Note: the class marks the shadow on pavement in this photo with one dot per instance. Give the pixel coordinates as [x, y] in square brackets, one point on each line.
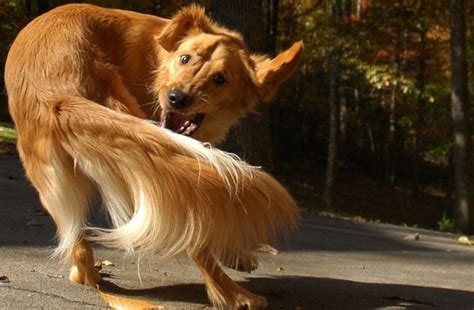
[309, 292]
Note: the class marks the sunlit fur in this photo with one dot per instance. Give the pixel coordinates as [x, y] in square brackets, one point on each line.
[80, 81]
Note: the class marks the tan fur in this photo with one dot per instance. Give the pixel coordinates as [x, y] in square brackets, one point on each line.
[80, 79]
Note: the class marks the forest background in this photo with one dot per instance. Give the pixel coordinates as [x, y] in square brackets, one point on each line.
[365, 128]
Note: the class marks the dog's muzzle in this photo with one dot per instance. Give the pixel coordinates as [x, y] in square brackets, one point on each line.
[179, 100]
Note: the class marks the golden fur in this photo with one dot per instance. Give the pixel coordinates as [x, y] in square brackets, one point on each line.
[80, 81]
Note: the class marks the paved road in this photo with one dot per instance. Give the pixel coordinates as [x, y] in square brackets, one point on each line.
[331, 264]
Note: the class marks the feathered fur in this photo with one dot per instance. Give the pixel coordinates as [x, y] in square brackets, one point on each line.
[80, 81]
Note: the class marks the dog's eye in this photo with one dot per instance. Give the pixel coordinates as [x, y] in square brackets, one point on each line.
[184, 59]
[219, 79]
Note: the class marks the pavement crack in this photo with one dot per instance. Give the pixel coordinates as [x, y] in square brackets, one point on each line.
[53, 296]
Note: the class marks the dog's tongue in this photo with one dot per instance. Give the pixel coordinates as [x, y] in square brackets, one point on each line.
[174, 121]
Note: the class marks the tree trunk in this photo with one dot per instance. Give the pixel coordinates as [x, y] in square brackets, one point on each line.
[43, 6]
[420, 109]
[272, 10]
[28, 8]
[462, 156]
[154, 4]
[250, 140]
[334, 114]
[347, 10]
[345, 95]
[393, 145]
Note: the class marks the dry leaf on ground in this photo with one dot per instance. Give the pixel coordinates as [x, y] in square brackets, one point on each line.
[415, 237]
[465, 240]
[268, 249]
[107, 263]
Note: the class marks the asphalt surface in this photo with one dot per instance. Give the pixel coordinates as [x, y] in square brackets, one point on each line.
[331, 264]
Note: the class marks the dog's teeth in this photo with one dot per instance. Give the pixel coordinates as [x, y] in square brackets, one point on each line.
[186, 123]
[190, 129]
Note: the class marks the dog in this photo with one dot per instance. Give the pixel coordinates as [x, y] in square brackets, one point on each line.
[87, 87]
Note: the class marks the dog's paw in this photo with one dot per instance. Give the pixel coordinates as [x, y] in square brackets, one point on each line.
[90, 278]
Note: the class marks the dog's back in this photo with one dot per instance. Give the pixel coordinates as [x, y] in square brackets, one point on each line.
[79, 50]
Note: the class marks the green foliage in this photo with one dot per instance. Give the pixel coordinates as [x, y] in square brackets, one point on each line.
[380, 58]
[446, 224]
[7, 133]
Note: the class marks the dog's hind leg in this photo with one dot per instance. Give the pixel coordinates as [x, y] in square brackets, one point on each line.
[221, 289]
[66, 193]
[84, 272]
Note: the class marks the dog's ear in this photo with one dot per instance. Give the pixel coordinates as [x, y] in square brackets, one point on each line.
[191, 17]
[271, 73]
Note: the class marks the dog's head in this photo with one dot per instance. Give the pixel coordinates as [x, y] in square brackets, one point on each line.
[207, 80]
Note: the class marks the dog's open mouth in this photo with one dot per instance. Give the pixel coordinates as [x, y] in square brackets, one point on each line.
[185, 124]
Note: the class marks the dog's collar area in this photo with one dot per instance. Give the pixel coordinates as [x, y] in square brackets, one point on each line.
[182, 123]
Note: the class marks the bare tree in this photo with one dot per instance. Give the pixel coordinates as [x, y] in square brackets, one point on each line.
[43, 6]
[334, 115]
[420, 108]
[462, 153]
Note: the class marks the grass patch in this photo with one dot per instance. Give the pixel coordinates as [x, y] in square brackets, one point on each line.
[7, 139]
[7, 133]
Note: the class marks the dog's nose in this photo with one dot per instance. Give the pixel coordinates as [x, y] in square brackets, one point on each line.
[179, 100]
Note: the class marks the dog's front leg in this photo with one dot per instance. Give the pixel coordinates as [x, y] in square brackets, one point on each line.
[221, 289]
[84, 272]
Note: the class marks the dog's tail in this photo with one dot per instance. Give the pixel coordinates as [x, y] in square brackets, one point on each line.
[167, 193]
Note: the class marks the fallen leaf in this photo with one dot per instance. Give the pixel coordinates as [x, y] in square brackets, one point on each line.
[107, 263]
[119, 302]
[268, 249]
[4, 279]
[358, 219]
[465, 240]
[415, 237]
[34, 223]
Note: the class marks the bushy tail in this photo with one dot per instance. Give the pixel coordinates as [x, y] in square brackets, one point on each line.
[167, 193]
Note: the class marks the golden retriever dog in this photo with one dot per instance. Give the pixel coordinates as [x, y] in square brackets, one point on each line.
[83, 83]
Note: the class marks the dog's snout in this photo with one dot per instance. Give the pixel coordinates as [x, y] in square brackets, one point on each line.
[179, 100]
